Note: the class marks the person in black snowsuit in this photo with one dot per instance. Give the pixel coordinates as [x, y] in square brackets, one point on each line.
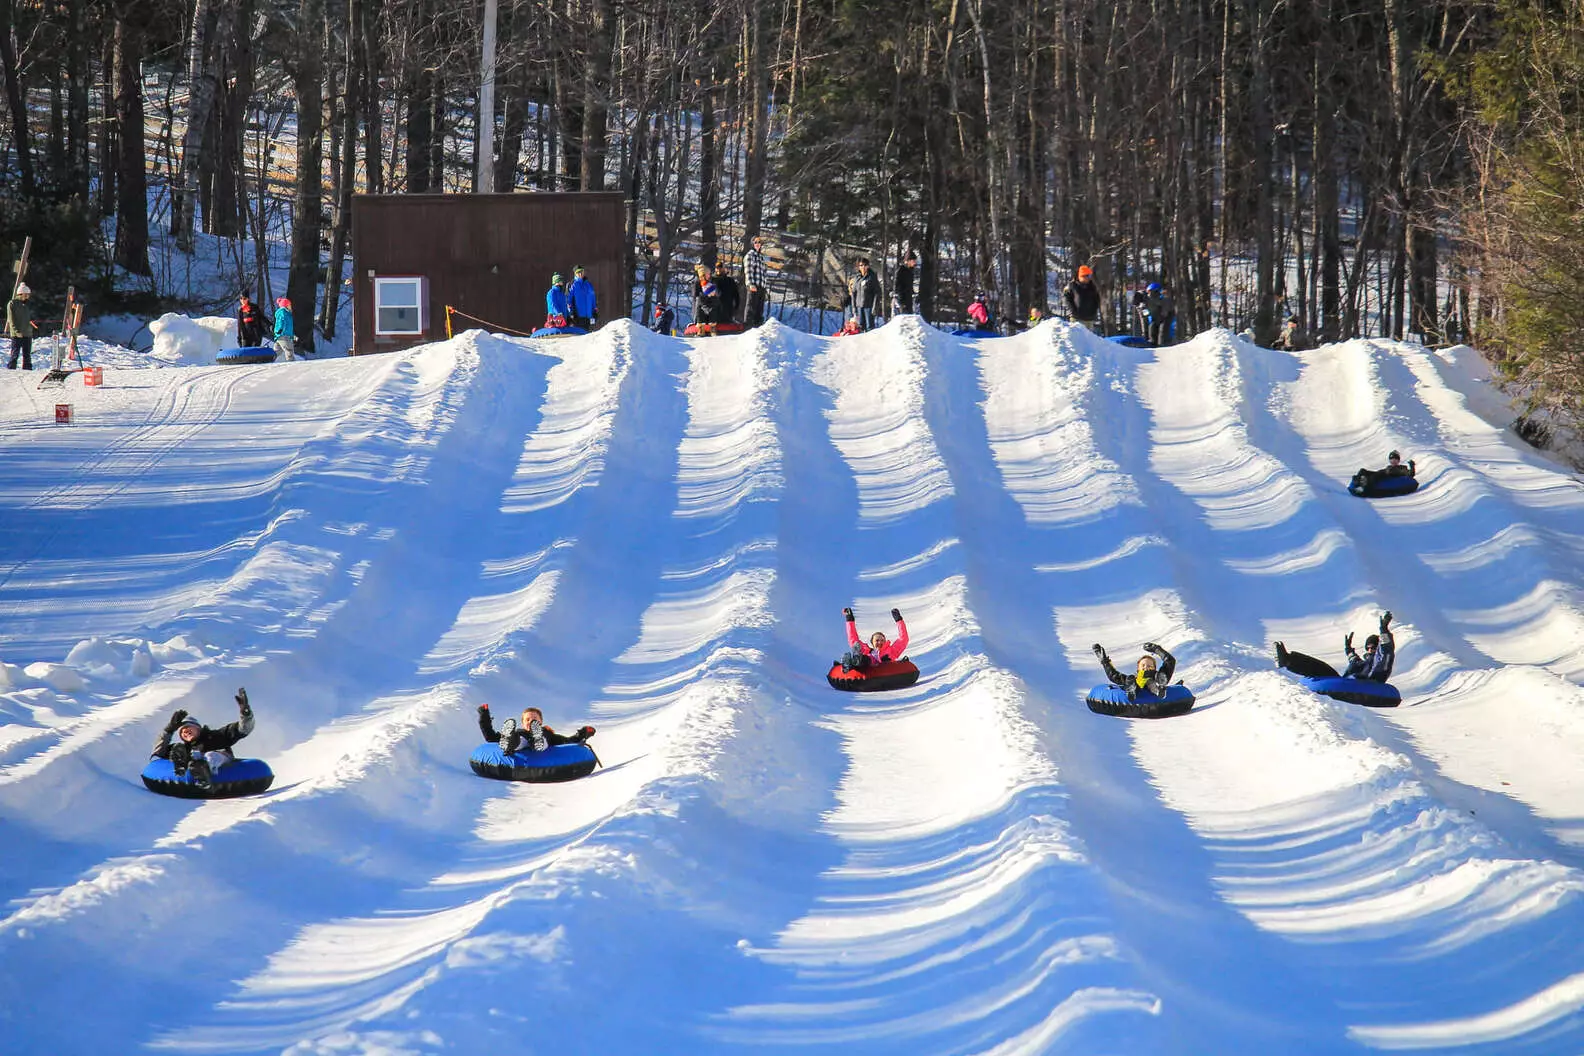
[250, 324]
[904, 284]
[1083, 299]
[1380, 653]
[1368, 478]
[863, 295]
[664, 318]
[730, 294]
[529, 735]
[199, 750]
[1152, 675]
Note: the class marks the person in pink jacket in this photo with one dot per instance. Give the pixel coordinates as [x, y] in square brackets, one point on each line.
[879, 649]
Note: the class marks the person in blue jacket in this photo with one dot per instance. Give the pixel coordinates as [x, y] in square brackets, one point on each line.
[557, 311]
[581, 298]
[664, 318]
[1375, 665]
[285, 331]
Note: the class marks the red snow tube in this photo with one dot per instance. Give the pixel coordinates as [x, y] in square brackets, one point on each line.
[876, 678]
[712, 329]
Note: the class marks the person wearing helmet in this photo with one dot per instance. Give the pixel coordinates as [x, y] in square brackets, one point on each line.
[1083, 299]
[285, 330]
[1151, 675]
[199, 750]
[20, 327]
[1380, 653]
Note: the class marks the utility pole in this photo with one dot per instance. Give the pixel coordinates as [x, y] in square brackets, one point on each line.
[484, 149]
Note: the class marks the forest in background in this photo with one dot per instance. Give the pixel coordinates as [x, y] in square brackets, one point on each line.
[1374, 167]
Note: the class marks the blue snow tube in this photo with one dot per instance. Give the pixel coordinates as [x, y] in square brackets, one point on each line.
[1113, 700]
[1384, 487]
[559, 762]
[235, 357]
[1130, 341]
[558, 331]
[244, 777]
[1357, 691]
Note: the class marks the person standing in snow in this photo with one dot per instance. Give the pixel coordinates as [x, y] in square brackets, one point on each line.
[1163, 314]
[250, 324]
[1083, 299]
[706, 298]
[729, 292]
[1380, 653]
[557, 309]
[1152, 675]
[664, 319]
[198, 749]
[863, 295]
[756, 273]
[879, 649]
[906, 282]
[530, 735]
[285, 330]
[20, 327]
[979, 313]
[580, 298]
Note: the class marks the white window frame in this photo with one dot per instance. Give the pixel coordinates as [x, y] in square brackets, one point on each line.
[381, 283]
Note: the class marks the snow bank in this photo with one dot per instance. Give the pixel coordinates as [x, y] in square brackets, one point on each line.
[181, 340]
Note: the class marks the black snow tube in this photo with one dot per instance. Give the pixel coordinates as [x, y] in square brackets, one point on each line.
[233, 357]
[559, 762]
[876, 678]
[1385, 488]
[1357, 691]
[1113, 700]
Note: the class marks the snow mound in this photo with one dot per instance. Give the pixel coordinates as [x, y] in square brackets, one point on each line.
[181, 340]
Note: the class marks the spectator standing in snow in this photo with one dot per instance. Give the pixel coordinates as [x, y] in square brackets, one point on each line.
[20, 327]
[906, 283]
[1163, 315]
[979, 313]
[1083, 299]
[863, 295]
[1036, 316]
[730, 294]
[580, 298]
[706, 298]
[664, 319]
[250, 324]
[285, 330]
[756, 272]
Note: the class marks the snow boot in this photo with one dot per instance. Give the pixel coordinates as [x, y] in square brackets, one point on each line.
[507, 728]
[199, 769]
[536, 733]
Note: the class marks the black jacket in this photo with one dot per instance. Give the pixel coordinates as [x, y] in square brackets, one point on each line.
[520, 736]
[730, 297]
[250, 325]
[1083, 300]
[208, 740]
[904, 283]
[1155, 685]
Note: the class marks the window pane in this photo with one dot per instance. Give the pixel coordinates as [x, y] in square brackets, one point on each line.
[398, 294]
[396, 320]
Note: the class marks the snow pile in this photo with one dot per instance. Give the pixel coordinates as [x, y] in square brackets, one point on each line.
[182, 341]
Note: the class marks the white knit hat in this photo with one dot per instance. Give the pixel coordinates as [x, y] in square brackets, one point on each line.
[22, 289]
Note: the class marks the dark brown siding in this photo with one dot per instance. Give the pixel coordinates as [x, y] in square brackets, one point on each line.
[489, 255]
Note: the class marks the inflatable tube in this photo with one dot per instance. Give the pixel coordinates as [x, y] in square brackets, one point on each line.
[712, 329]
[975, 333]
[1385, 487]
[560, 762]
[245, 777]
[1130, 341]
[558, 331]
[876, 678]
[1357, 691]
[235, 357]
[1113, 700]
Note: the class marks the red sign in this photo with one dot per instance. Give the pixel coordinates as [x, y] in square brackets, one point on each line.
[63, 414]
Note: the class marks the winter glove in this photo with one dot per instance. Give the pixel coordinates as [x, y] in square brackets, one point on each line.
[847, 613]
[1151, 647]
[483, 709]
[896, 614]
[1385, 621]
[1411, 471]
[1347, 643]
[242, 702]
[175, 720]
[1099, 651]
[584, 734]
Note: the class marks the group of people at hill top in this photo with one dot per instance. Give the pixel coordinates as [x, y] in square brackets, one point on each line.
[571, 303]
[281, 328]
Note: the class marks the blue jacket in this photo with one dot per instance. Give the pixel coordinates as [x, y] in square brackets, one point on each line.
[583, 298]
[556, 302]
[283, 323]
[1373, 667]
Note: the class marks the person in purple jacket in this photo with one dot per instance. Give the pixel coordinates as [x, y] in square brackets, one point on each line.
[879, 649]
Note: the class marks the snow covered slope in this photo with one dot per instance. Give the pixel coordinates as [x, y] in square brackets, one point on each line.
[657, 537]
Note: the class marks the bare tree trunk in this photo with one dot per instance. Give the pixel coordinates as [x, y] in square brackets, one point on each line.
[595, 102]
[346, 172]
[132, 235]
[201, 82]
[758, 123]
[308, 83]
[709, 174]
[1264, 219]
[14, 97]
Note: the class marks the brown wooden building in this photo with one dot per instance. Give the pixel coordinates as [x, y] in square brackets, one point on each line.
[489, 256]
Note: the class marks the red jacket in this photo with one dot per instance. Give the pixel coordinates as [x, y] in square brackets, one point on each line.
[893, 649]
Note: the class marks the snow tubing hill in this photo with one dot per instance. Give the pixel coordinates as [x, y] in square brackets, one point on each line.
[1113, 700]
[1129, 340]
[894, 674]
[558, 331]
[1385, 487]
[245, 777]
[1357, 691]
[712, 329]
[559, 762]
[236, 357]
